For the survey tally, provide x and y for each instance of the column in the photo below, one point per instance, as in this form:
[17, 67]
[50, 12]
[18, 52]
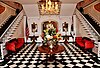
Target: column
[1, 45]
[74, 25]
[99, 50]
[25, 28]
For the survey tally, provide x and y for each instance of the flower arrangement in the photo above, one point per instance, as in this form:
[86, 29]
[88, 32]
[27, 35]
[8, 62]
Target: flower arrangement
[51, 34]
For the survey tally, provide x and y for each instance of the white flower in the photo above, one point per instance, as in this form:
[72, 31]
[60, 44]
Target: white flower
[51, 37]
[47, 36]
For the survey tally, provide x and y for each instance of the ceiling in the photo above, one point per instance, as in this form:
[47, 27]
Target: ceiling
[31, 7]
[35, 1]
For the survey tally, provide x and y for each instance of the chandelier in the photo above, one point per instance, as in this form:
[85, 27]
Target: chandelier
[49, 7]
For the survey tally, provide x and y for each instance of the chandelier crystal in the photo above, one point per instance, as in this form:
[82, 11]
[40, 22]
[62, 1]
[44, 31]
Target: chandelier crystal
[49, 7]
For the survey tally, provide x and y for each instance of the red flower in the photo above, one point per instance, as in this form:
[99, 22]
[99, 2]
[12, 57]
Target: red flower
[54, 36]
[59, 34]
[59, 38]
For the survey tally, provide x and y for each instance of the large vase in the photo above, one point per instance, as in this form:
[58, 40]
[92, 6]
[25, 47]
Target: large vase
[51, 42]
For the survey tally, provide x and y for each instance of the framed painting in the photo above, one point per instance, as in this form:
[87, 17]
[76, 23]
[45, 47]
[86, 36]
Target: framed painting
[65, 27]
[34, 27]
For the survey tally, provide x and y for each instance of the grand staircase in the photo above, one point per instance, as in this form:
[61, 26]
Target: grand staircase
[10, 29]
[92, 29]
[89, 26]
[6, 24]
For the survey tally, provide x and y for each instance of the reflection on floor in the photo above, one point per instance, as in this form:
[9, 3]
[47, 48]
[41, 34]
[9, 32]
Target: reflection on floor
[72, 57]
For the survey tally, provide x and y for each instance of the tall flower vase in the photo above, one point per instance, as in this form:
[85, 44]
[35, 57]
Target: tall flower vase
[51, 44]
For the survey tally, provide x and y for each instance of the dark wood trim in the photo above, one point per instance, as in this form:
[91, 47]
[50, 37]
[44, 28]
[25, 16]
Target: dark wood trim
[7, 4]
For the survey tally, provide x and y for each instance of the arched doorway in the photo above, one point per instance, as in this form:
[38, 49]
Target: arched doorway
[55, 24]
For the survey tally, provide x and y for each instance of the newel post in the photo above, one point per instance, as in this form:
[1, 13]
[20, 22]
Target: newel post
[99, 50]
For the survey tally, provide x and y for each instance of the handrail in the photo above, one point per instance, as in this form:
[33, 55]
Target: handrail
[11, 24]
[88, 23]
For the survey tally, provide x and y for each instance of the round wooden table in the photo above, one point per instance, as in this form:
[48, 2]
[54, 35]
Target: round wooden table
[47, 50]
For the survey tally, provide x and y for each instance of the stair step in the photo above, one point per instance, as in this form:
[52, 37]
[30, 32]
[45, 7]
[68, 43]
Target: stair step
[93, 23]
[6, 25]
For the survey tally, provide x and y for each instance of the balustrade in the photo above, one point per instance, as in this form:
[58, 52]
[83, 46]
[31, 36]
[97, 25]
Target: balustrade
[90, 29]
[9, 31]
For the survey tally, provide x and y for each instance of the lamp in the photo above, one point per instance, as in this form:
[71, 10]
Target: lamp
[49, 7]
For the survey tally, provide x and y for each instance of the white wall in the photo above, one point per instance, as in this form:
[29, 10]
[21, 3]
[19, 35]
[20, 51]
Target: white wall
[79, 29]
[19, 33]
[41, 19]
[31, 10]
[66, 9]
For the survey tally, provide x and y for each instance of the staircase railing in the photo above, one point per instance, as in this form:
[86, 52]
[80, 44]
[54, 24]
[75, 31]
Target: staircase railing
[94, 19]
[18, 17]
[85, 20]
[4, 21]
[97, 41]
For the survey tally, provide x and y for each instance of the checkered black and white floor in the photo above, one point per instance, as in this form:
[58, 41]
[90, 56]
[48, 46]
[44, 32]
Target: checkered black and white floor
[72, 57]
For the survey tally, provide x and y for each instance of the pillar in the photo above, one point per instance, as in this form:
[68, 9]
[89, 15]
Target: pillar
[74, 26]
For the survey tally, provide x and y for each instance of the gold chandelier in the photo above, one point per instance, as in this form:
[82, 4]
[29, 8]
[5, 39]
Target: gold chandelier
[49, 7]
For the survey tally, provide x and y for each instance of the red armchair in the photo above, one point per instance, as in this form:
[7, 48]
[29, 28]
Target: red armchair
[10, 46]
[80, 42]
[20, 42]
[14, 45]
[85, 43]
[89, 44]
